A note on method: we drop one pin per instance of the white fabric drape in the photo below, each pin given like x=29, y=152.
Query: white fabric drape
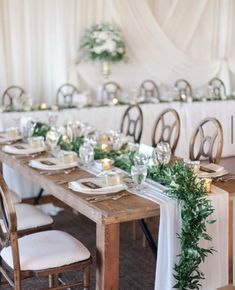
x=166, y=40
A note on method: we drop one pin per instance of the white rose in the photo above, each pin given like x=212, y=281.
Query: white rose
x=110, y=45
x=98, y=49
x=103, y=35
x=120, y=50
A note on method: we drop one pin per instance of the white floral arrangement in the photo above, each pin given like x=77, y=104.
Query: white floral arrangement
x=103, y=42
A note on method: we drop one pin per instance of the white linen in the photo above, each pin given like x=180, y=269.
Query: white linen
x=58, y=165
x=28, y=217
x=215, y=267
x=48, y=249
x=80, y=187
x=166, y=40
x=25, y=150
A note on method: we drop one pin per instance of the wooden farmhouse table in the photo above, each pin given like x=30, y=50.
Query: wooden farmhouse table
x=107, y=214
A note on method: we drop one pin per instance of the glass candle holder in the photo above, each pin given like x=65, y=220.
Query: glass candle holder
x=106, y=163
x=207, y=184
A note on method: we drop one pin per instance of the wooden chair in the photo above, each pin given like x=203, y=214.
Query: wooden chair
x=110, y=90
x=183, y=88
x=149, y=90
x=132, y=123
x=64, y=95
x=49, y=253
x=208, y=133
x=218, y=88
x=11, y=93
x=167, y=129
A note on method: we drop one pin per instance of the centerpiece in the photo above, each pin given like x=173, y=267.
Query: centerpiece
x=103, y=42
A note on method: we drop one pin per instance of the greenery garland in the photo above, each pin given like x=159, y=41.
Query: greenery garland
x=196, y=209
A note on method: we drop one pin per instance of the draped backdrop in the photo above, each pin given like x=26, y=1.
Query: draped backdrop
x=166, y=40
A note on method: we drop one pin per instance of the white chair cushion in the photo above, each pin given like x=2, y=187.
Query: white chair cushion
x=49, y=249
x=16, y=198
x=28, y=217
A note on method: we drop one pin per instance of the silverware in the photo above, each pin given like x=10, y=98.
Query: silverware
x=67, y=171
x=94, y=199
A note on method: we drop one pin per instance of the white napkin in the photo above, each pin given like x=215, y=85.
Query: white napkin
x=218, y=171
x=26, y=149
x=81, y=187
x=57, y=164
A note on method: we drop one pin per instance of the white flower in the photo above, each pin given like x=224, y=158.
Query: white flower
x=103, y=35
x=110, y=45
x=98, y=49
x=120, y=50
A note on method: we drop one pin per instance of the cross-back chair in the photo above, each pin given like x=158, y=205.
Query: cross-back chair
x=183, y=88
x=65, y=93
x=132, y=123
x=218, y=88
x=207, y=141
x=12, y=93
x=167, y=129
x=48, y=253
x=110, y=90
x=149, y=90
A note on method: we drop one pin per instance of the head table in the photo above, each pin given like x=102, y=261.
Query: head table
x=109, y=214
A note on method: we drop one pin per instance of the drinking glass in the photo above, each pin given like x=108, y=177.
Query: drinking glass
x=52, y=138
x=141, y=159
x=116, y=139
x=86, y=153
x=162, y=153
x=138, y=173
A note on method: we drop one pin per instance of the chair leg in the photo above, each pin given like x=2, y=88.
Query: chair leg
x=50, y=281
x=134, y=231
x=86, y=278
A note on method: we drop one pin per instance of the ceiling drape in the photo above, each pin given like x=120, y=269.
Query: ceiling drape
x=166, y=40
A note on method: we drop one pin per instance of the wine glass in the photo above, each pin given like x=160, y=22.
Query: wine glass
x=116, y=139
x=138, y=173
x=86, y=153
x=162, y=153
x=52, y=138
x=141, y=159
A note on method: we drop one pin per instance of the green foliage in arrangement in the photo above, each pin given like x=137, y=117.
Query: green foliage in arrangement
x=40, y=129
x=103, y=42
x=195, y=212
x=181, y=185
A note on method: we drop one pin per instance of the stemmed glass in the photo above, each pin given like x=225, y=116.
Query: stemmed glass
x=141, y=159
x=116, y=139
x=86, y=153
x=138, y=173
x=162, y=153
x=52, y=138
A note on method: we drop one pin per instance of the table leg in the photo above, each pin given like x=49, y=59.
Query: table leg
x=230, y=248
x=107, y=256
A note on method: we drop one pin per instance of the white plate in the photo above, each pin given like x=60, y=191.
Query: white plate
x=4, y=138
x=51, y=164
x=80, y=186
x=203, y=174
x=22, y=149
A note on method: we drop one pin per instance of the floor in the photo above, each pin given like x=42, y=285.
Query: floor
x=137, y=265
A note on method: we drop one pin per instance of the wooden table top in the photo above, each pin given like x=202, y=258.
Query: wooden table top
x=127, y=208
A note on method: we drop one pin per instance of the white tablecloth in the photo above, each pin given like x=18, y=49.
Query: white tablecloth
x=106, y=118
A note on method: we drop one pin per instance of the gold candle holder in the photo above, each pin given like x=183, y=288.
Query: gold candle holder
x=207, y=184
x=106, y=163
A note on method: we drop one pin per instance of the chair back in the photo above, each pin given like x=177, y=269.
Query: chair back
x=110, y=90
x=149, y=90
x=207, y=141
x=167, y=129
x=183, y=88
x=218, y=88
x=64, y=95
x=132, y=123
x=12, y=93
x=8, y=230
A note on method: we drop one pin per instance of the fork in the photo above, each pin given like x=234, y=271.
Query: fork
x=101, y=198
x=58, y=171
